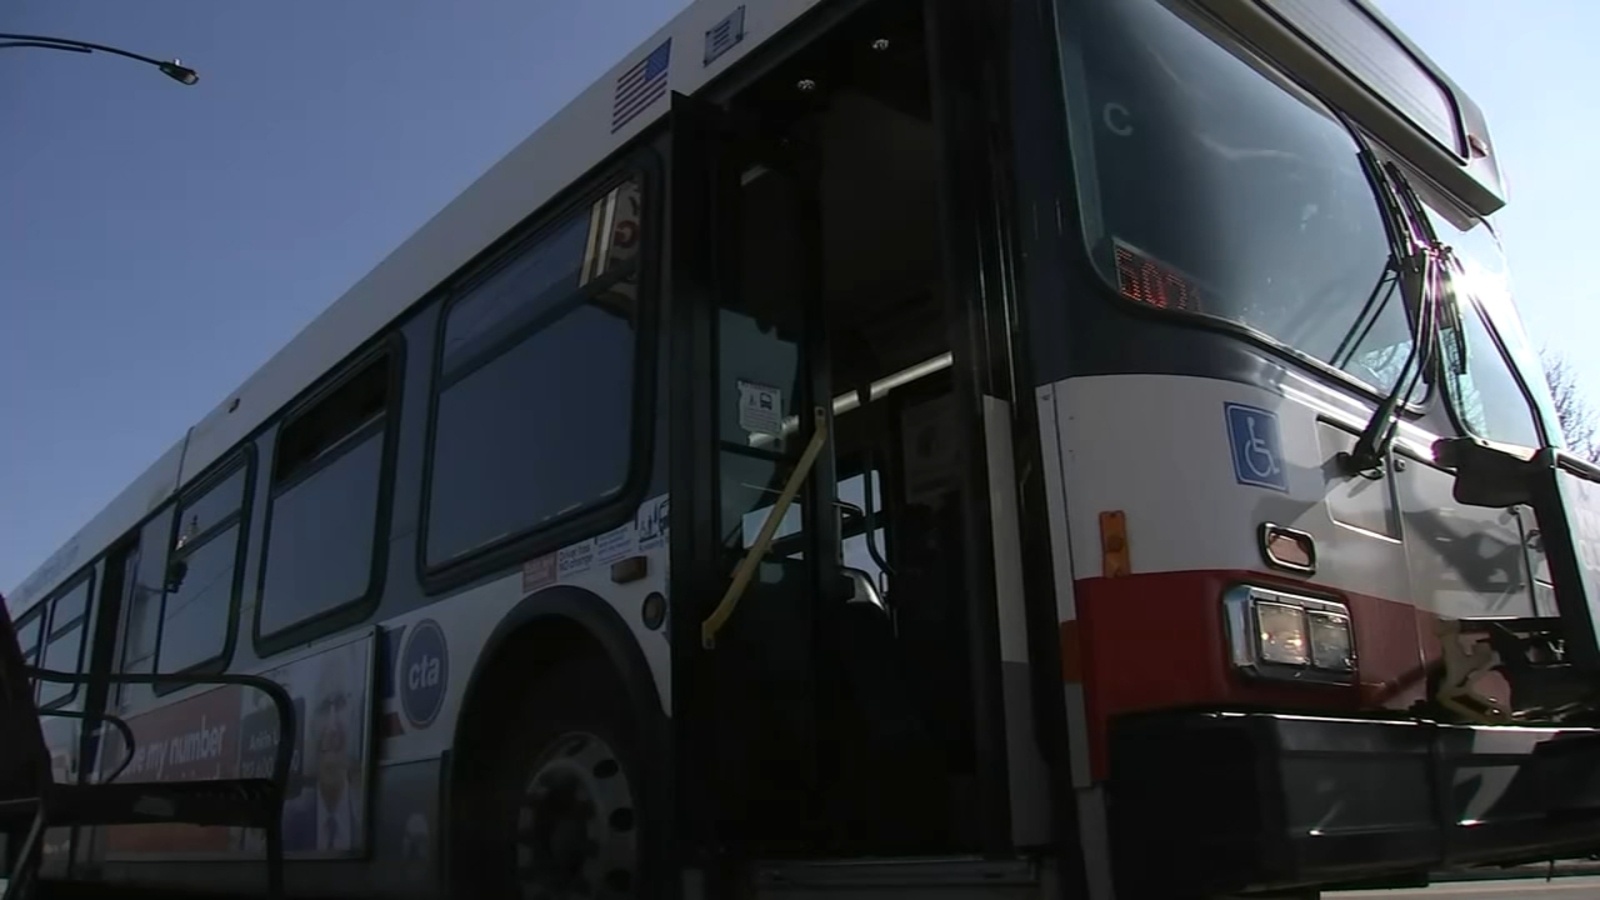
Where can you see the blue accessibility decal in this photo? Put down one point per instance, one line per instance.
(1257, 448)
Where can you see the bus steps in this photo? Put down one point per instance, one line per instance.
(955, 878)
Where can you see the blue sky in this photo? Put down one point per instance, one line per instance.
(158, 243)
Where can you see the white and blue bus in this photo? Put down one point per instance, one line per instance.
(1102, 458)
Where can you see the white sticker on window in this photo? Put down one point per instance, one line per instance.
(760, 408)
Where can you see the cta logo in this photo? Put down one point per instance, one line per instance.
(424, 673)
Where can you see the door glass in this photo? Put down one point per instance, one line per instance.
(760, 374)
(763, 319)
(857, 552)
(750, 487)
(760, 364)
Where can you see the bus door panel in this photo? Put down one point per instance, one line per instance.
(744, 282)
(1466, 562)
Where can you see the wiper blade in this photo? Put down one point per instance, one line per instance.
(1414, 254)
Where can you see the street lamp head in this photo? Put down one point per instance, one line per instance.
(179, 72)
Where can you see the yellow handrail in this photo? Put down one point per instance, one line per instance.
(752, 557)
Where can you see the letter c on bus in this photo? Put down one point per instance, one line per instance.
(1117, 118)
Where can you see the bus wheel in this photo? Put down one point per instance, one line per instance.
(568, 801)
(577, 829)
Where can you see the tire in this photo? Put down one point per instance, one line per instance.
(558, 812)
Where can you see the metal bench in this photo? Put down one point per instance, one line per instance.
(32, 800)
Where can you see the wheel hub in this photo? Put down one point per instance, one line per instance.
(576, 828)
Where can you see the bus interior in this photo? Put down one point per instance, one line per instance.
(845, 685)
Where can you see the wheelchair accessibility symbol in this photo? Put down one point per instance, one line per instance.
(1257, 449)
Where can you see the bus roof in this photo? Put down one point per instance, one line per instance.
(692, 49)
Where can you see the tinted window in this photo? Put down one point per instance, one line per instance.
(331, 423)
(28, 634)
(319, 552)
(64, 641)
(62, 653)
(322, 526)
(534, 417)
(69, 607)
(144, 594)
(543, 276)
(217, 506)
(577, 251)
(194, 624)
(197, 610)
(1212, 189)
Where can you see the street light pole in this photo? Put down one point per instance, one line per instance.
(170, 68)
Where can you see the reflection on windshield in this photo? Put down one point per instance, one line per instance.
(1214, 189)
(1488, 398)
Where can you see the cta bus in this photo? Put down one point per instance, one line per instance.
(1081, 448)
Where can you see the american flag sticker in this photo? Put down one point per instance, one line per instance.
(641, 86)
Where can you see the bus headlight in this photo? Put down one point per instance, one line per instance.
(1272, 634)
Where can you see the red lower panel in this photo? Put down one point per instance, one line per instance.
(1158, 641)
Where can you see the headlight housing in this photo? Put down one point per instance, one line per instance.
(1272, 634)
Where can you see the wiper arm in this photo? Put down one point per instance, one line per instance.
(1416, 257)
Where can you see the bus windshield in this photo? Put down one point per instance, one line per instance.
(1212, 188)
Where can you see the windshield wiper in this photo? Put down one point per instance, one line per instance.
(1417, 259)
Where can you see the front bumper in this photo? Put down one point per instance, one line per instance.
(1239, 801)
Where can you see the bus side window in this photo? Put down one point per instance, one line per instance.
(144, 594)
(535, 410)
(63, 643)
(29, 628)
(323, 518)
(201, 577)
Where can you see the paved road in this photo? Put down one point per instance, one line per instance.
(1584, 888)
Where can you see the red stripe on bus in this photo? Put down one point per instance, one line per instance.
(1159, 640)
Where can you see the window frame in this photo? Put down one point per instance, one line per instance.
(643, 166)
(48, 631)
(1086, 170)
(390, 350)
(242, 458)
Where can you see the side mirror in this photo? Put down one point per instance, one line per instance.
(1489, 475)
(177, 571)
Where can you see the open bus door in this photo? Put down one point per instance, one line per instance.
(746, 675)
(800, 702)
(837, 671)
(824, 663)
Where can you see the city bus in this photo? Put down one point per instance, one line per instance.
(1062, 448)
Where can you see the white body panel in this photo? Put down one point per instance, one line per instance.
(469, 618)
(1185, 510)
(1401, 538)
